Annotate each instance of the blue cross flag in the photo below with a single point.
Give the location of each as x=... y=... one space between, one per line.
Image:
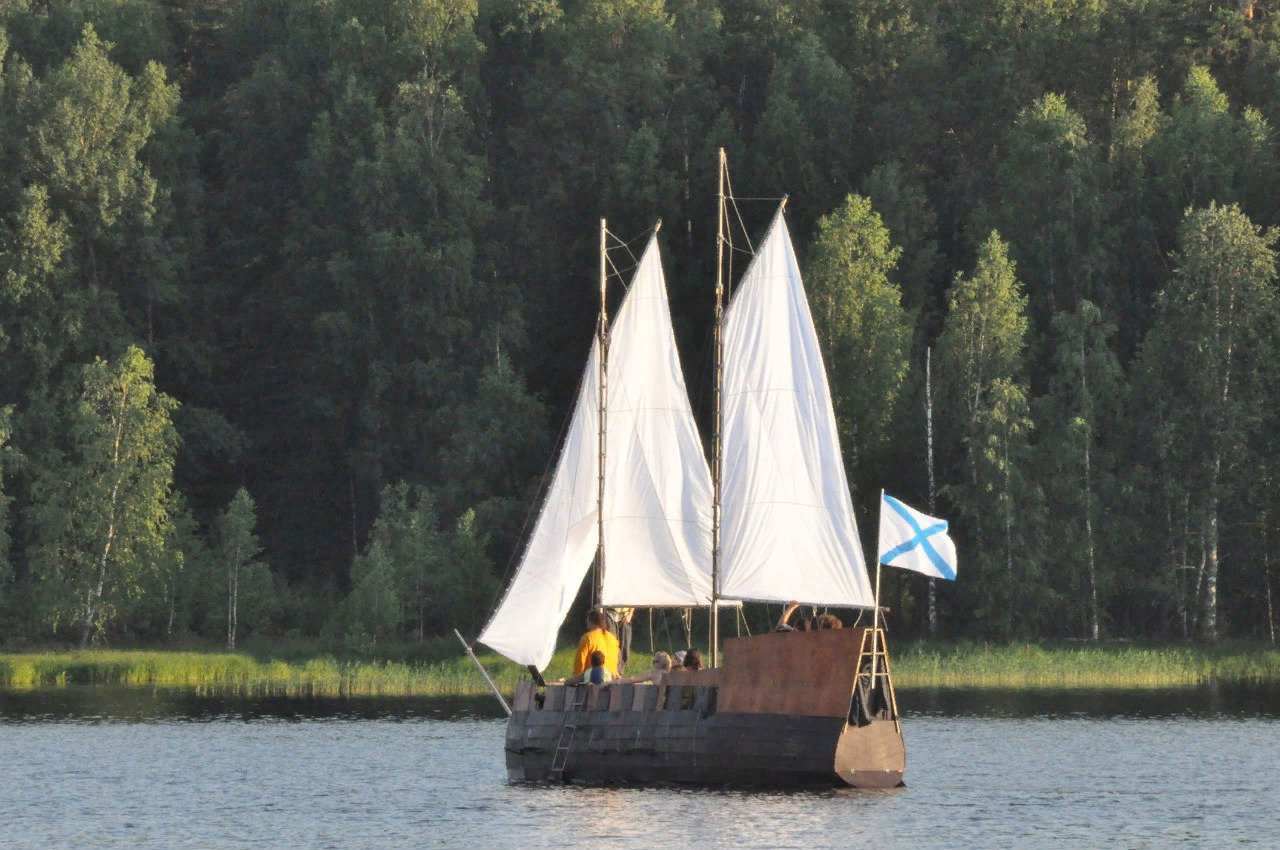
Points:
x=915 y=541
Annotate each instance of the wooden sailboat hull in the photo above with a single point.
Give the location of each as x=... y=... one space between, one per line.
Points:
x=715 y=726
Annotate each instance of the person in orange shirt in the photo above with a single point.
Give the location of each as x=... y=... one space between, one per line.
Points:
x=597 y=638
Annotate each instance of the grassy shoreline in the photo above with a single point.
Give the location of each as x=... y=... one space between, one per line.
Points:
x=951 y=665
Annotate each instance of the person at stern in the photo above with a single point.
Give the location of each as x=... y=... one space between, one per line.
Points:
x=597 y=639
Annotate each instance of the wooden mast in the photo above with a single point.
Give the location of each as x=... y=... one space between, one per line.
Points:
x=598 y=589
x=716 y=463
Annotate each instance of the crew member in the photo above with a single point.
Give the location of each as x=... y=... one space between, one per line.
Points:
x=597 y=639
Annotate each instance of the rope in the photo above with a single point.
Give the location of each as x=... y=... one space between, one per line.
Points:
x=734 y=201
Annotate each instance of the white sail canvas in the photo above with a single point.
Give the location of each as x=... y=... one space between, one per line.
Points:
x=563 y=543
x=787 y=526
x=657 y=492
x=657 y=505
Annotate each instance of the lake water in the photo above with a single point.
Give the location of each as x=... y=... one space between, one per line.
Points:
x=119 y=768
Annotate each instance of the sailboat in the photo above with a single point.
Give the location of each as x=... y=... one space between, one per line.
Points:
x=770 y=520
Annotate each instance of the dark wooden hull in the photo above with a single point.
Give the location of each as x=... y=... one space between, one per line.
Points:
x=713 y=727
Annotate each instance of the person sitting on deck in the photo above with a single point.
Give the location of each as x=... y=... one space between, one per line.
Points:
x=661 y=666
x=829 y=621
x=805 y=624
x=598 y=637
x=597 y=673
x=692 y=659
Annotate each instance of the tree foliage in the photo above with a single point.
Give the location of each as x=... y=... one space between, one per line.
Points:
x=101 y=507
x=356 y=241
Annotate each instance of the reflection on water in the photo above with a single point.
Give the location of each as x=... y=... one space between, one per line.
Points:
x=82 y=767
x=89 y=704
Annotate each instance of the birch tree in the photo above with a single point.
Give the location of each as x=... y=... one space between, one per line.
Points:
x=865 y=333
x=1078 y=418
x=101 y=509
x=1211 y=341
x=981 y=359
x=237 y=551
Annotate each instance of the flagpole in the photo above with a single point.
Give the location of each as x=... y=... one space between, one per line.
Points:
x=875 y=617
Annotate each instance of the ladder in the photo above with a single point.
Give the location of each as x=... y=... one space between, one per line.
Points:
x=567 y=731
x=865 y=690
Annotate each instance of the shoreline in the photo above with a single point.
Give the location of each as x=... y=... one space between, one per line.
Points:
x=1024 y=666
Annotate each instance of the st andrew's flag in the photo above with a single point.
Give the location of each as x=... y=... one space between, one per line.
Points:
x=915 y=541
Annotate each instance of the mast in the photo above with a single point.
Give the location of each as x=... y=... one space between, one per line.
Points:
x=716 y=462
x=598 y=584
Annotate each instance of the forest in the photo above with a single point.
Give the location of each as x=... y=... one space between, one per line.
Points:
x=295 y=294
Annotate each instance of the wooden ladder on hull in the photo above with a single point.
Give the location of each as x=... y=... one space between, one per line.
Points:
x=567 y=731
x=865 y=689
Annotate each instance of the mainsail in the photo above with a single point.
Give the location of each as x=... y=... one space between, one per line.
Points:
x=657 y=501
x=788 y=531
x=657 y=493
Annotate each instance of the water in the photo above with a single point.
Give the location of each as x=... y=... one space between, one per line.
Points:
x=117 y=768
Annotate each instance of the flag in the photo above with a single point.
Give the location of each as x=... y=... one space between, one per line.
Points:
x=915 y=541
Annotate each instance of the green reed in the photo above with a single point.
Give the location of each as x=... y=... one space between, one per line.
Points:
x=921 y=664
x=970 y=665
x=242 y=674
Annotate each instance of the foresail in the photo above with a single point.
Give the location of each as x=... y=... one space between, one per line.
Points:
x=562 y=545
x=787 y=526
x=657 y=492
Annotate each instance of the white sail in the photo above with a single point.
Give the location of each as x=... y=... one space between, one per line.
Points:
x=563 y=543
x=657 y=491
x=657 y=505
x=787 y=526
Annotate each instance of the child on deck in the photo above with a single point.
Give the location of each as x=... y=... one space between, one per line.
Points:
x=597 y=673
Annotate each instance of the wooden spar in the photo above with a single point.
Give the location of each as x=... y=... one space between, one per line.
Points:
x=716 y=462
x=483 y=672
x=598 y=584
x=928 y=419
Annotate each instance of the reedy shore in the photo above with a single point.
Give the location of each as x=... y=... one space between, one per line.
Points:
x=915 y=665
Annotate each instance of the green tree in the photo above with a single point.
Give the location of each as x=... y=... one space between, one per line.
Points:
x=1204 y=152
x=100 y=510
x=87 y=125
x=802 y=140
x=44 y=315
x=1079 y=420
x=236 y=550
x=461 y=593
x=413 y=577
x=1131 y=234
x=373 y=609
x=865 y=332
x=1204 y=365
x=981 y=358
x=898 y=194
x=1050 y=206
x=391 y=578
x=6 y=433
